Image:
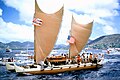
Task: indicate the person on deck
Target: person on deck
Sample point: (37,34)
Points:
(87,59)
(83,57)
(78,59)
(100,57)
(90,57)
(12,59)
(95,58)
(9,60)
(42,64)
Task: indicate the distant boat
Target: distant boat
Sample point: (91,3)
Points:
(8,49)
(111,50)
(118,49)
(4,60)
(10,65)
(23,53)
(46,29)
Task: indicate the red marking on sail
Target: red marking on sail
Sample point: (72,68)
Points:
(37,21)
(71,40)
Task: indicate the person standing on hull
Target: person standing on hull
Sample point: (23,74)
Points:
(78,59)
(91,57)
(95,58)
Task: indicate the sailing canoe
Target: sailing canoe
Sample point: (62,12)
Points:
(37,69)
(44,40)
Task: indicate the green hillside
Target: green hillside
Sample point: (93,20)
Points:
(106,42)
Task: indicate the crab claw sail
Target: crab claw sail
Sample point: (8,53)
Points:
(81,34)
(45,35)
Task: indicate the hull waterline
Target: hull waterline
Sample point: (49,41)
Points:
(56,69)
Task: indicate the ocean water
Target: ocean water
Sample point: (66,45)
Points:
(109,71)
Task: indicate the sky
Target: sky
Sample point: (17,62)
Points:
(16,17)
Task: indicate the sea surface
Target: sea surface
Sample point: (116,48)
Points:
(109,71)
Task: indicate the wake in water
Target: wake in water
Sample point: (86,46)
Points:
(114,53)
(112,57)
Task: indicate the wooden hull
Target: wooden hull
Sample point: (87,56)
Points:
(56,69)
(10,66)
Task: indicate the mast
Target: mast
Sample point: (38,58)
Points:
(81,34)
(45,35)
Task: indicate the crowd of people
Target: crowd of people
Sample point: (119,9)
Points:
(83,58)
(89,57)
(8,59)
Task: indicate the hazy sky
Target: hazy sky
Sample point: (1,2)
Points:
(16,17)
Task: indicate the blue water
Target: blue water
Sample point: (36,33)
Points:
(109,71)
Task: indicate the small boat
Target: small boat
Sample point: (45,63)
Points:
(10,66)
(22,53)
(46,29)
(8,49)
(111,50)
(118,49)
(4,60)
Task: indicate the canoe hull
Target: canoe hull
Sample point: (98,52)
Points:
(10,66)
(56,69)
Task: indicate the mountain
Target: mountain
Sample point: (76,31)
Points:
(2,45)
(102,42)
(17,45)
(106,42)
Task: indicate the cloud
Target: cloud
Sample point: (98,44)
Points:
(103,13)
(109,30)
(97,9)
(0,12)
(84,11)
(25,8)
(15,32)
